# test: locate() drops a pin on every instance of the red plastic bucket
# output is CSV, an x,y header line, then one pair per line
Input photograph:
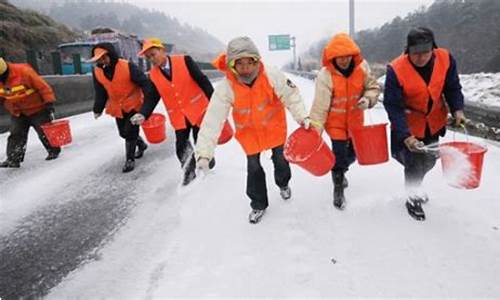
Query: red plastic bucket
x,y
226,134
370,144
154,128
58,133
463,170
307,149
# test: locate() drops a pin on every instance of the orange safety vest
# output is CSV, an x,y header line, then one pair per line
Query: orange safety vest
x,y
123,94
182,96
344,113
21,93
417,94
258,113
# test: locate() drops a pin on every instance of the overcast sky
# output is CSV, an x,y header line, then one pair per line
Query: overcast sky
x,y
308,21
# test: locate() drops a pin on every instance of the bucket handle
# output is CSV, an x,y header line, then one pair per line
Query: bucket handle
x,y
467,135
465,132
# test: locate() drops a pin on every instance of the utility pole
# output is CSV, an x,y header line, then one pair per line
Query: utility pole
x,y
294,46
352,31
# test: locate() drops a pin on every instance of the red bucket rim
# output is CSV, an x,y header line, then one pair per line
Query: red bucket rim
x,y
58,122
472,148
306,157
151,122
369,126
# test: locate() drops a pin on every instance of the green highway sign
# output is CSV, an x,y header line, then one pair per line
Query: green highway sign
x,y
279,42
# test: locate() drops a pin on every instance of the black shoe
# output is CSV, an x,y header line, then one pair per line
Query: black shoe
x,y
285,193
129,166
211,164
255,215
141,147
10,164
53,155
414,207
338,190
345,183
188,178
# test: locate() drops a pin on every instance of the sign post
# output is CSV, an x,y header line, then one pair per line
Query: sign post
x,y
279,42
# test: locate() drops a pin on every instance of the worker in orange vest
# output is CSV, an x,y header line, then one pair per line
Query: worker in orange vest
x,y
421,87
258,95
30,101
344,89
185,92
120,88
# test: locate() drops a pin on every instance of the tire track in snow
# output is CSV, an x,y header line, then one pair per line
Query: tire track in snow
x,y
56,239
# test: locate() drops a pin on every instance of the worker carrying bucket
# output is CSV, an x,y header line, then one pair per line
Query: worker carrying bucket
x,y
257,95
120,87
344,89
185,92
29,100
420,86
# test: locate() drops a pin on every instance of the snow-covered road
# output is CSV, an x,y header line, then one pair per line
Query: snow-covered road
x,y
77,227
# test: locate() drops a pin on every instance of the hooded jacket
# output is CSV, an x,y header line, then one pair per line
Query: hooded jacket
x,y
258,109
120,87
336,96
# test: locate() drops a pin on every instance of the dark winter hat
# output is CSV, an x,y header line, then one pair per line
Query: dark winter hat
x,y
419,40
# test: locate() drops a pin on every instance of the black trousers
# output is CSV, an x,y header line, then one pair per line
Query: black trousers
x,y
416,165
256,177
183,147
127,130
344,155
19,129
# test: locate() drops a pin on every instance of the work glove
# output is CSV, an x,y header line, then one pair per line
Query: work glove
x,y
137,119
306,123
413,144
97,115
459,118
50,108
203,164
363,103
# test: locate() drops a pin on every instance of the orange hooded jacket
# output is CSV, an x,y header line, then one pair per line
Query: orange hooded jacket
x,y
344,114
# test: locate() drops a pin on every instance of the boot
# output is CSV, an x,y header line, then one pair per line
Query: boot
x,y
130,156
414,207
141,147
338,190
10,164
211,164
129,166
345,183
188,177
255,215
285,193
53,154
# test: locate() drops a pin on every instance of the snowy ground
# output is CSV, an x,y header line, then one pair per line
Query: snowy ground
x,y
174,242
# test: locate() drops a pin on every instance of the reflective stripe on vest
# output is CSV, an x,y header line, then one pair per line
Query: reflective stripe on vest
x,y
343,112
258,114
20,97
